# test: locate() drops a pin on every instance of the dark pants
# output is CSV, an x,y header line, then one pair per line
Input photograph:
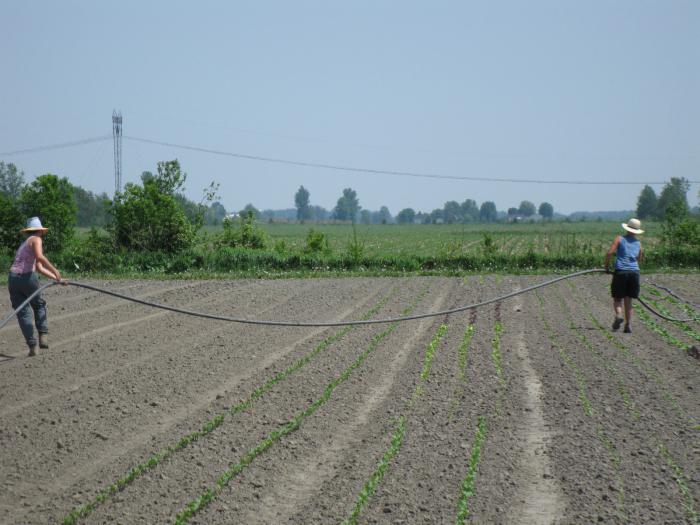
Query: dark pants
x,y
21,286
625,283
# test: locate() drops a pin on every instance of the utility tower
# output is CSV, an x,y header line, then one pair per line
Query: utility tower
x,y
117,136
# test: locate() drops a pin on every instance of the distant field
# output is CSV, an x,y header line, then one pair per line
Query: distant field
x,y
454,239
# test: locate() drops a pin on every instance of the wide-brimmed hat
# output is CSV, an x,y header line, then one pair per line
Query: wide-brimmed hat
x,y
633,226
34,225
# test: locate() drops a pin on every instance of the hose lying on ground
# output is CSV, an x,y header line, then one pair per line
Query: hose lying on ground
x,y
318,323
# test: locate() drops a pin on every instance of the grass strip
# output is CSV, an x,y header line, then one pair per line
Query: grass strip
x,y
685,327
462,361
397,437
135,472
468,486
688,503
213,492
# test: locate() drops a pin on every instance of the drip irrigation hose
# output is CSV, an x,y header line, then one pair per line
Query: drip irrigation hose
x,y
674,294
315,323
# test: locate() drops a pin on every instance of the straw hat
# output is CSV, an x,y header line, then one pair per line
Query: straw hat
x,y
633,226
34,225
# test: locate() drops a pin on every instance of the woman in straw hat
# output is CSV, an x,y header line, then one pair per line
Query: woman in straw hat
x,y
23,282
625,281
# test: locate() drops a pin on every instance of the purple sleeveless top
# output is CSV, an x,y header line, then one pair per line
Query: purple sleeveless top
x,y
25,262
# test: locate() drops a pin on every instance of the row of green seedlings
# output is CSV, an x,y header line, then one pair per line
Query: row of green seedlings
x,y
661,330
212,424
370,486
468,485
678,303
213,492
649,371
679,475
462,361
587,407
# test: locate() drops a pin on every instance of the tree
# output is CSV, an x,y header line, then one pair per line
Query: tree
x,y
92,208
546,210
384,215
365,217
406,216
488,212
51,199
452,212
301,201
527,209
11,221
11,180
249,208
470,211
319,213
215,213
347,207
149,217
673,194
512,212
646,203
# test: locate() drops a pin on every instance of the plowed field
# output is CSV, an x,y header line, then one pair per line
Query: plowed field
x,y
527,411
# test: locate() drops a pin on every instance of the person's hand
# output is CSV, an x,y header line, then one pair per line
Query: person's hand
x,y
57,276
608,270
64,282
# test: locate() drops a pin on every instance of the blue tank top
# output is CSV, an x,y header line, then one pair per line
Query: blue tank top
x,y
627,253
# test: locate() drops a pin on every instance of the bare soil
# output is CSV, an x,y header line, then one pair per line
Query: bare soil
x,y
583,424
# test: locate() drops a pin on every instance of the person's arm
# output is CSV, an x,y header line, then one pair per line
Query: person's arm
x,y
43,265
640,257
611,251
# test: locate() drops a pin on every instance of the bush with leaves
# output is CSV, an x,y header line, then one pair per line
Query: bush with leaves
x,y
679,228
317,242
52,200
149,217
247,235
11,221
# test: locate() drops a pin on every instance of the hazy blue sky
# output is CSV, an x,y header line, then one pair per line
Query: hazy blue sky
x,y
585,90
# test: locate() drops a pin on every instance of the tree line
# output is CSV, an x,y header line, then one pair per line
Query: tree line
x,y
348,208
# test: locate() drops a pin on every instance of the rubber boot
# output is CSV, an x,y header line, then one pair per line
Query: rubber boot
x,y
44,341
32,351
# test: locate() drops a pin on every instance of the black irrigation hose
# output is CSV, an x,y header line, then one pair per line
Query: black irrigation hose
x,y
311,323
652,310
674,294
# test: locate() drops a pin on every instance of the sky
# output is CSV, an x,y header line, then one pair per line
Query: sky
x,y
556,90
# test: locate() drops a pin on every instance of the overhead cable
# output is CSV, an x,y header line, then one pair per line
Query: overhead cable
x,y
388,172
57,146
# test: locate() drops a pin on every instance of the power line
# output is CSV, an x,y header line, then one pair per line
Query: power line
x,y
386,172
57,146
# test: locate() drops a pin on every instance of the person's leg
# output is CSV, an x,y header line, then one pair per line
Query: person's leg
x,y
40,318
628,314
17,287
617,301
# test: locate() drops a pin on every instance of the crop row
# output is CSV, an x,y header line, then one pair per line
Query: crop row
x,y
656,441
399,432
211,425
211,493
587,406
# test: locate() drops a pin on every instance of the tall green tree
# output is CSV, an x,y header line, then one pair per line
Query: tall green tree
x,y
406,216
452,212
52,200
488,212
384,215
92,209
546,211
470,210
646,203
11,180
365,217
527,209
673,195
149,217
302,203
11,221
347,207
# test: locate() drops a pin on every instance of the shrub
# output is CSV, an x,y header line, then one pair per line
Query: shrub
x,y
149,217
316,242
247,234
11,221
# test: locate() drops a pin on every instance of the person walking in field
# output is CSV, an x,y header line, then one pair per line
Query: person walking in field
x,y
23,281
625,281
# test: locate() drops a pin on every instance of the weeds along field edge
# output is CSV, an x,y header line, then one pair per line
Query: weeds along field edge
x,y
212,424
210,494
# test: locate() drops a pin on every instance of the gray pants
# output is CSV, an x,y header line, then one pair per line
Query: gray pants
x,y
21,286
